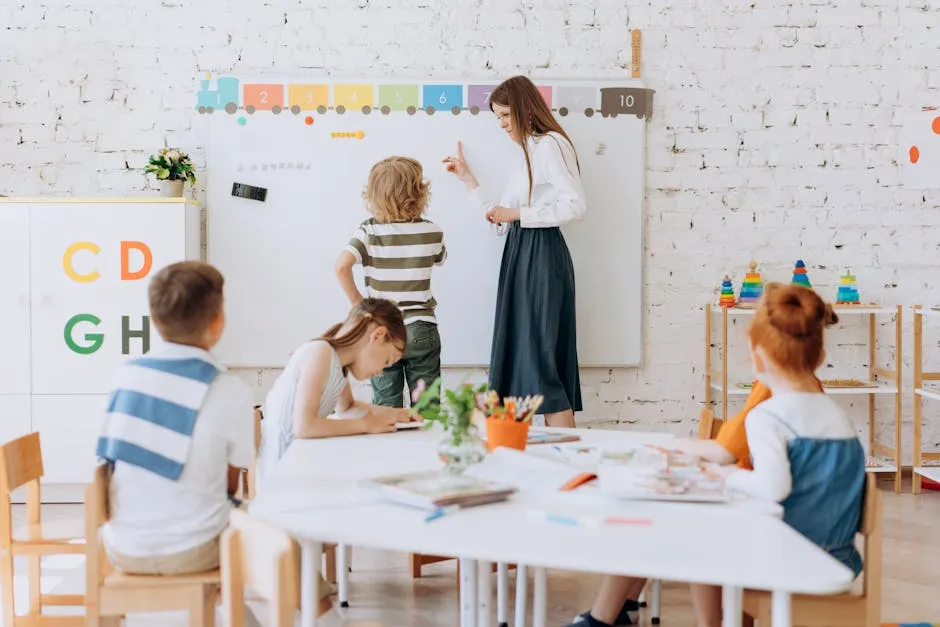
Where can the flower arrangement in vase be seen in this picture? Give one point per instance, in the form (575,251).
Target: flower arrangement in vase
(174,168)
(453,410)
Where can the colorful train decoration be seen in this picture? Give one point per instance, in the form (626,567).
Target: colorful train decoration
(230,95)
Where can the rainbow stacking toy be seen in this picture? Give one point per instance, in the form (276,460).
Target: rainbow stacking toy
(847,293)
(727,293)
(751,288)
(799,274)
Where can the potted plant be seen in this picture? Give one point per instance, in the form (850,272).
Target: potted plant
(507,424)
(453,411)
(174,168)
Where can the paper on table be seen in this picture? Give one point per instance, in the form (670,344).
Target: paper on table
(527,472)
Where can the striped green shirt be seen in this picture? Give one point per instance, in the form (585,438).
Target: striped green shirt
(397,258)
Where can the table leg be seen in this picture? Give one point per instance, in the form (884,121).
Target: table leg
(522,582)
(780,609)
(656,591)
(540,598)
(310,555)
(468,593)
(732,605)
(502,594)
(342,574)
(484,594)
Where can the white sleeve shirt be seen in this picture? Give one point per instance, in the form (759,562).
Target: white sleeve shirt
(557,195)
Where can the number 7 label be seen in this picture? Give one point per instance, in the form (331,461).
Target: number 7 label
(479,96)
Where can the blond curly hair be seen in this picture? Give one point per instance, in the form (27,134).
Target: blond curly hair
(396,190)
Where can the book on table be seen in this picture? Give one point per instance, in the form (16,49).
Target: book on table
(529,472)
(431,490)
(654,473)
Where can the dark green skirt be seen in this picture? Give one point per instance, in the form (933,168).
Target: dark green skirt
(535,347)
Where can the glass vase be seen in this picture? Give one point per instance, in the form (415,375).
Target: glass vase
(459,450)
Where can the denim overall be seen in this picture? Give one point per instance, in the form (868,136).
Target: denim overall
(828,485)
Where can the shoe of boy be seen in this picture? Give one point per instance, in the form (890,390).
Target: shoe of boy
(623,618)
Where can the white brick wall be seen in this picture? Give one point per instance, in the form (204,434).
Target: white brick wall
(774,133)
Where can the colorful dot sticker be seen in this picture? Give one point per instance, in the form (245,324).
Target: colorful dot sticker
(914,151)
(241,120)
(308,120)
(920,149)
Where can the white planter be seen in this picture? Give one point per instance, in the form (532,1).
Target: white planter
(172,189)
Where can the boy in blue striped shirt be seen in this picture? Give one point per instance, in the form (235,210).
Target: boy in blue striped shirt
(177,428)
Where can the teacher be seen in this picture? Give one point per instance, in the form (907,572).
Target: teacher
(534,339)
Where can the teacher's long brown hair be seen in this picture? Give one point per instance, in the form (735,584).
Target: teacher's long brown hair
(531,116)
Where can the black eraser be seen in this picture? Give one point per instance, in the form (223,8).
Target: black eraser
(249,191)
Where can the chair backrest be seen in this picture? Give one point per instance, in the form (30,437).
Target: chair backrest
(259,416)
(870,528)
(20,462)
(708,425)
(265,560)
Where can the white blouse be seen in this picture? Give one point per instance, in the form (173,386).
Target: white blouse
(557,195)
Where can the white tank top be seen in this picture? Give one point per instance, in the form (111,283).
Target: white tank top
(277,428)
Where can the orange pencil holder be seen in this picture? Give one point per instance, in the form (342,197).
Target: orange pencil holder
(508,433)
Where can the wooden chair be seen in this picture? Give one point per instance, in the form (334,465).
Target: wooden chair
(709,425)
(851,609)
(21,465)
(249,488)
(109,593)
(266,561)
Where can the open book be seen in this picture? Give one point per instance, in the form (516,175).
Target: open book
(431,490)
(651,473)
(528,472)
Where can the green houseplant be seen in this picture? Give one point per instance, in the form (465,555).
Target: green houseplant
(453,411)
(174,168)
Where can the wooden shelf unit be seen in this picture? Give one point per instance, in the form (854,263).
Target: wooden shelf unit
(923,389)
(883,380)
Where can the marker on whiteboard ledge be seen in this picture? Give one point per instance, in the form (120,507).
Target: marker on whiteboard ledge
(249,191)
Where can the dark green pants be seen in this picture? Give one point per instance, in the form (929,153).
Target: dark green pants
(422,360)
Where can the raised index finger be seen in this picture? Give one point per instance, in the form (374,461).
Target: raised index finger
(459,149)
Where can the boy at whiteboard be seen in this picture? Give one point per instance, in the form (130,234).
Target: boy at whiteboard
(397,248)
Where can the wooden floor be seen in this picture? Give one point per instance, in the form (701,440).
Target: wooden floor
(381,588)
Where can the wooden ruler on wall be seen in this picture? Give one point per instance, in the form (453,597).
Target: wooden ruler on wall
(636,39)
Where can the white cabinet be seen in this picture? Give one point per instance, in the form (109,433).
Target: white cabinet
(14,300)
(90,270)
(14,416)
(75,307)
(68,428)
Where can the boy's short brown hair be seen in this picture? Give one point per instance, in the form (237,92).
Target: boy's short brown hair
(185,297)
(396,190)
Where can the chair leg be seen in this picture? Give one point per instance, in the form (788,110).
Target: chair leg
(35,585)
(6,583)
(415,559)
(202,606)
(330,569)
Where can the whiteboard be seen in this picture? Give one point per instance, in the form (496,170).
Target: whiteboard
(311,145)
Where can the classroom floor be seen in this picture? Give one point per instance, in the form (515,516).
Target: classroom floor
(382,590)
